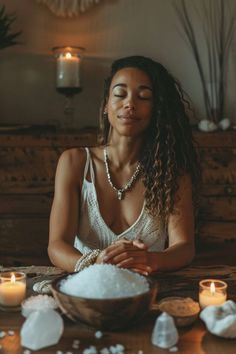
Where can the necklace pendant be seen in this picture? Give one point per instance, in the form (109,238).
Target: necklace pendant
(119,195)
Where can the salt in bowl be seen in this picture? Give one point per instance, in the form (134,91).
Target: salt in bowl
(109,313)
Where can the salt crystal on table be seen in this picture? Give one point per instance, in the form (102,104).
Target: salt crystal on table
(90,350)
(98,334)
(104,281)
(173,349)
(104,351)
(140,352)
(38,302)
(75,346)
(26,351)
(11,333)
(59,352)
(41,329)
(2,334)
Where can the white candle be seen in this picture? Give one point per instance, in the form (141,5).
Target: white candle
(68,70)
(213,293)
(12,291)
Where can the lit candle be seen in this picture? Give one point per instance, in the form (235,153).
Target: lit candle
(12,289)
(68,70)
(212,292)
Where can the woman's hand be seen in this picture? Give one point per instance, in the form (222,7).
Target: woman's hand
(132,255)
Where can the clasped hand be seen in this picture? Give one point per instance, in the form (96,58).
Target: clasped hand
(127,254)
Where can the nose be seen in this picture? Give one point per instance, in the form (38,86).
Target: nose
(129,104)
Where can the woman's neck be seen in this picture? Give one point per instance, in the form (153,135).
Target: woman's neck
(124,151)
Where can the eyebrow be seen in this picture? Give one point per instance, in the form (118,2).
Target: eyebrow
(142,87)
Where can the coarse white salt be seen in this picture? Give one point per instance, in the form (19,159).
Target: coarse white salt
(98,334)
(104,281)
(38,302)
(90,350)
(2,334)
(104,351)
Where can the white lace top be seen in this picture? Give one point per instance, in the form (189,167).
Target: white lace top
(95,233)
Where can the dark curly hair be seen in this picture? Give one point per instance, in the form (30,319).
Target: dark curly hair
(168,150)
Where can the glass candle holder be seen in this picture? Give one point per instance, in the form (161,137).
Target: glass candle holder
(68,78)
(12,290)
(68,75)
(212,292)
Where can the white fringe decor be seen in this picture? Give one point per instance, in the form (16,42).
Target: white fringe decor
(68,8)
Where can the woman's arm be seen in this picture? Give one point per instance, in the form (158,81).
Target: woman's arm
(65,210)
(181,249)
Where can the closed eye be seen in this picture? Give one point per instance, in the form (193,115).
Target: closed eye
(119,95)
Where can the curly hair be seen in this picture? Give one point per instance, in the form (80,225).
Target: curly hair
(168,150)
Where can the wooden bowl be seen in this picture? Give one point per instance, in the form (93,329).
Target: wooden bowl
(184,310)
(110,314)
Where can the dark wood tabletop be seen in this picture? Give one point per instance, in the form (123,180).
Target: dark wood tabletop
(192,340)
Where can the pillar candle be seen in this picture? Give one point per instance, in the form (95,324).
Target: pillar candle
(12,290)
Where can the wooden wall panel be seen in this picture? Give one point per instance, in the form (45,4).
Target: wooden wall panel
(23,238)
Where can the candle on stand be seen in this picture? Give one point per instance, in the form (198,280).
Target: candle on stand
(212,292)
(68,66)
(68,80)
(12,289)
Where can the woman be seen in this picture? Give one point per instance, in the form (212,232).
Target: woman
(129,202)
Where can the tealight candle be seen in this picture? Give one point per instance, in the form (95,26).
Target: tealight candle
(212,292)
(12,289)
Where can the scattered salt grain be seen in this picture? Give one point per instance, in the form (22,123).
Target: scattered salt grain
(59,352)
(75,346)
(76,341)
(173,349)
(140,352)
(98,334)
(26,351)
(38,302)
(2,334)
(11,333)
(90,350)
(117,349)
(104,351)
(69,353)
(104,281)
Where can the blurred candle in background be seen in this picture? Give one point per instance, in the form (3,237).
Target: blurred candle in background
(12,288)
(68,77)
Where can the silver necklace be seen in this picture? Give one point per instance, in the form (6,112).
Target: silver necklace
(130,182)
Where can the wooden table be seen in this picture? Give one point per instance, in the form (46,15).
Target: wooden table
(193,340)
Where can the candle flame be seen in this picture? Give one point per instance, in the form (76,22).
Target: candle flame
(68,55)
(13,278)
(212,288)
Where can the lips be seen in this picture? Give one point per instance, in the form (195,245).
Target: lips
(128,117)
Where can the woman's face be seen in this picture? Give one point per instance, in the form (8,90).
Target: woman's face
(130,102)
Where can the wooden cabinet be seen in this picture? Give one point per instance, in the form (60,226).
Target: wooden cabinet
(217,214)
(27,167)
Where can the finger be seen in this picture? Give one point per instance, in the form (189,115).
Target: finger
(142,272)
(118,250)
(138,243)
(131,263)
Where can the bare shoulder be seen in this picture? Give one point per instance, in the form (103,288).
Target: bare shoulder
(72,161)
(97,153)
